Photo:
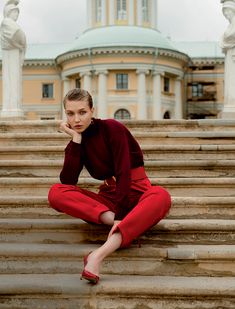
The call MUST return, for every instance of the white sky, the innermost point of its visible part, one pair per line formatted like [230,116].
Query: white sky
[63,20]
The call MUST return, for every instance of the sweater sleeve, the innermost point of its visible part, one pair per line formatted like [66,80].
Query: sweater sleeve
[73,164]
[121,157]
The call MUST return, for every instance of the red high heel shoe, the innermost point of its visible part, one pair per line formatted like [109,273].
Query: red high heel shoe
[94,279]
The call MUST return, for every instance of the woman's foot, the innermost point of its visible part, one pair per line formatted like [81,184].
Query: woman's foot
[91,268]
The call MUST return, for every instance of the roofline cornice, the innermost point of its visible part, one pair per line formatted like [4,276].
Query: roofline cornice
[121,50]
[37,62]
[203,61]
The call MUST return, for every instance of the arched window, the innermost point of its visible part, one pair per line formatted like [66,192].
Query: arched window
[145,10]
[98,10]
[121,10]
[122,114]
[167,115]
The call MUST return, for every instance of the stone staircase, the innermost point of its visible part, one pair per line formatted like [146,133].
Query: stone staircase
[187,261]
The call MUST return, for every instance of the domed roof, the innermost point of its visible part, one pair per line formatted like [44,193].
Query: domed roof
[120,36]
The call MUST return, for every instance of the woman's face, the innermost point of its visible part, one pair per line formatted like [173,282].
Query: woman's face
[14,14]
[229,13]
[79,115]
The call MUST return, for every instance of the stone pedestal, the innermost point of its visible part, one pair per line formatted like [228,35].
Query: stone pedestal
[12,84]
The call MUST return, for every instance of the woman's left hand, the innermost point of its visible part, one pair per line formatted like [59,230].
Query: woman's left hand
[116,222]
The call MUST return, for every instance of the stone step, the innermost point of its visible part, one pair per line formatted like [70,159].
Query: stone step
[182,207]
[56,291]
[71,231]
[194,187]
[167,168]
[188,152]
[151,152]
[171,125]
[199,260]
[143,137]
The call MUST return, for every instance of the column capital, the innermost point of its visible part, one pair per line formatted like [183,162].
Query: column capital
[142,71]
[87,73]
[157,72]
[179,78]
[104,72]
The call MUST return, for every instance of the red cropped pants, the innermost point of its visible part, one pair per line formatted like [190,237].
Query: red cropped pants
[148,204]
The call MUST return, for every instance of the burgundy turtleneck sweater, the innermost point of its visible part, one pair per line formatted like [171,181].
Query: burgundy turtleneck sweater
[107,149]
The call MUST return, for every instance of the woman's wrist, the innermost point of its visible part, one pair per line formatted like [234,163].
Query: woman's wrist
[77,138]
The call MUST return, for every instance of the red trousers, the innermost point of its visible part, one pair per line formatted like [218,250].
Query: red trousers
[148,204]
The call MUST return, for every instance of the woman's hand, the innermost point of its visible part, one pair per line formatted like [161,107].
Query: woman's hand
[65,127]
[116,222]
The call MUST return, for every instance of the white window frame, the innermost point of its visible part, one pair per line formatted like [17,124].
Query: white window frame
[98,11]
[121,10]
[49,93]
[145,11]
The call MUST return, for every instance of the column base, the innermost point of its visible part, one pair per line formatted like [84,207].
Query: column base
[228,112]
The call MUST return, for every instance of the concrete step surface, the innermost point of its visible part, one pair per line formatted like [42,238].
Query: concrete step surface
[151,152]
[69,292]
[143,137]
[41,126]
[213,187]
[154,168]
[32,206]
[179,260]
[167,231]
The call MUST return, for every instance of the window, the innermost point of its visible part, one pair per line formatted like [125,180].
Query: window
[122,114]
[145,10]
[167,115]
[121,81]
[121,10]
[98,10]
[47,118]
[166,84]
[47,90]
[197,90]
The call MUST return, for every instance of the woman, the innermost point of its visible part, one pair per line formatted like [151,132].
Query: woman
[126,201]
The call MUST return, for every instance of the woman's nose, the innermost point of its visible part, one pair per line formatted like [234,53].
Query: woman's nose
[77,118]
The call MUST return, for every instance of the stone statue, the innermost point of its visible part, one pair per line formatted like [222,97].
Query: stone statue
[228,47]
[13,43]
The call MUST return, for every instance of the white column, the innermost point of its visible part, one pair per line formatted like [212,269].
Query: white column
[139,13]
[86,81]
[153,14]
[131,13]
[102,110]
[157,96]
[103,15]
[111,13]
[142,99]
[178,99]
[66,89]
[89,8]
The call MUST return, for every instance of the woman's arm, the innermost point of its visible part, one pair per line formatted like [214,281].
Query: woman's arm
[73,162]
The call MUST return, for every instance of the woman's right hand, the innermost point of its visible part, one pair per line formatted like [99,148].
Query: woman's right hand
[65,127]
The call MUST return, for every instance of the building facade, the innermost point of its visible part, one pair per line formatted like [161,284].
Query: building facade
[130,68]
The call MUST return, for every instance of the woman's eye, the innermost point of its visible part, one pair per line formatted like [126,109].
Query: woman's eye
[82,113]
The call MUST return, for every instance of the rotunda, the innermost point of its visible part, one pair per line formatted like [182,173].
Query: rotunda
[130,68]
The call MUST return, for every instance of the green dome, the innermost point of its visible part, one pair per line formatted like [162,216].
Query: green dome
[119,36]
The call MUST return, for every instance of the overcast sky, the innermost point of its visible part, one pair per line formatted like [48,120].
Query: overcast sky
[63,20]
